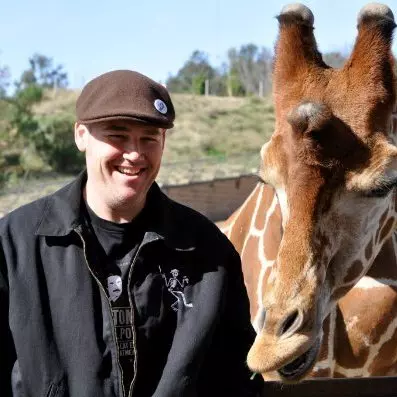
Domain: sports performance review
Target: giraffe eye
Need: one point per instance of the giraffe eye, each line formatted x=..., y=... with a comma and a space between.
x=381, y=191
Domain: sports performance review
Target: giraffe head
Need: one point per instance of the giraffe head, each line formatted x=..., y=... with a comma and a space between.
x=333, y=165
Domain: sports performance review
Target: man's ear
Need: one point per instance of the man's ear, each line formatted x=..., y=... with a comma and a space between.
x=80, y=136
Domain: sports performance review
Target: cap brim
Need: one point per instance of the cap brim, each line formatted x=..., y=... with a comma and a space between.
x=138, y=120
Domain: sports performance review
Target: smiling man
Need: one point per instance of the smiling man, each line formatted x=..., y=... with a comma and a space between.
x=108, y=287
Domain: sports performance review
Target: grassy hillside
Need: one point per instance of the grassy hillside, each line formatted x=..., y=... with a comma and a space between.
x=204, y=126
x=213, y=137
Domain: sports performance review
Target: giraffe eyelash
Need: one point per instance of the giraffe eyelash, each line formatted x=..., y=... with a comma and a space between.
x=382, y=191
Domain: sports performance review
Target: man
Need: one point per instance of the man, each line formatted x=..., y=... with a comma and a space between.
x=108, y=287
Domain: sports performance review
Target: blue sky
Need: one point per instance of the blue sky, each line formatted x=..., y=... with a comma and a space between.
x=154, y=37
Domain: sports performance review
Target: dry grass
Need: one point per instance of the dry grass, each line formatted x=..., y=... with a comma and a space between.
x=57, y=102
x=218, y=126
x=27, y=191
x=204, y=126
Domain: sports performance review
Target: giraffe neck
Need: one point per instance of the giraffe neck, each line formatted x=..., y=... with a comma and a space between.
x=255, y=231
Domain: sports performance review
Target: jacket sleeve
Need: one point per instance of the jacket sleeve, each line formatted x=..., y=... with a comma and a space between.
x=226, y=367
x=7, y=352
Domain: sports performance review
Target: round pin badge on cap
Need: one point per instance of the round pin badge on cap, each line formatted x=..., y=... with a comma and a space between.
x=160, y=106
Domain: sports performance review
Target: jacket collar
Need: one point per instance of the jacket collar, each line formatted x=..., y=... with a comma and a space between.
x=62, y=215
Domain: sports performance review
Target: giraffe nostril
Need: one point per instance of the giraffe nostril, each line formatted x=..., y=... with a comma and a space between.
x=291, y=323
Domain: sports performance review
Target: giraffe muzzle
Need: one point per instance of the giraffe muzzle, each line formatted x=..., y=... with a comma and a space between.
x=297, y=369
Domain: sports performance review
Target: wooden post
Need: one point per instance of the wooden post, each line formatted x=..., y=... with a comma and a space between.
x=54, y=89
x=207, y=87
x=261, y=88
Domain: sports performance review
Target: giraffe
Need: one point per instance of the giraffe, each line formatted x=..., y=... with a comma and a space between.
x=317, y=234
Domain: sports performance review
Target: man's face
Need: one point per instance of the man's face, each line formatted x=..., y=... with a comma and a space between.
x=123, y=159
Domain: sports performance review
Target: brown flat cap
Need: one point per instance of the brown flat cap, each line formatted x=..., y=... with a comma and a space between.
x=125, y=94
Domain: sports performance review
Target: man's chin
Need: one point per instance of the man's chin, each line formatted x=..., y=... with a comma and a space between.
x=128, y=198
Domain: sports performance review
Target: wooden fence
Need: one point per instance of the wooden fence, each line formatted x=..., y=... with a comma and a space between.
x=349, y=387
x=216, y=199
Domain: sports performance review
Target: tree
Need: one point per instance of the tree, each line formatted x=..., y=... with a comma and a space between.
x=4, y=80
x=335, y=59
x=191, y=77
x=23, y=120
x=42, y=73
x=29, y=91
x=250, y=70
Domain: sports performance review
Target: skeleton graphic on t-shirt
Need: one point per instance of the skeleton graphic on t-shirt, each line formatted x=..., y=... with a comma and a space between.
x=175, y=287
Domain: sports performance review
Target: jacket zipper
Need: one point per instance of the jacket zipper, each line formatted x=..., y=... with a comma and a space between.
x=109, y=306
x=132, y=384
x=52, y=390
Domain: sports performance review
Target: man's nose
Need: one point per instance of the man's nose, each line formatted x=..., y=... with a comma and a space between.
x=132, y=155
x=132, y=152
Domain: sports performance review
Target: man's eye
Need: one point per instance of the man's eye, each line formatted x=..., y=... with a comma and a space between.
x=116, y=136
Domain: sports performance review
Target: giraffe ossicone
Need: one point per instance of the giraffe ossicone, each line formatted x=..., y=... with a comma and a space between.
x=317, y=236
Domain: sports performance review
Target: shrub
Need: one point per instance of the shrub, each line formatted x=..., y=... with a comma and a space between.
x=55, y=144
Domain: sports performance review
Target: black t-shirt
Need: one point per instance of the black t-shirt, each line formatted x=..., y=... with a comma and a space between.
x=117, y=245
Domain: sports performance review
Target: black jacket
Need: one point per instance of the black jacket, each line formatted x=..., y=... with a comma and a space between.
x=56, y=330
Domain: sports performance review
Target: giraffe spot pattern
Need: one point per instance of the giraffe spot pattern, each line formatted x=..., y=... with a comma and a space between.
x=381, y=223
x=369, y=250
x=386, y=357
x=355, y=270
x=386, y=229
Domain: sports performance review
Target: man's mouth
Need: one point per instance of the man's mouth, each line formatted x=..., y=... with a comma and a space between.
x=130, y=171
